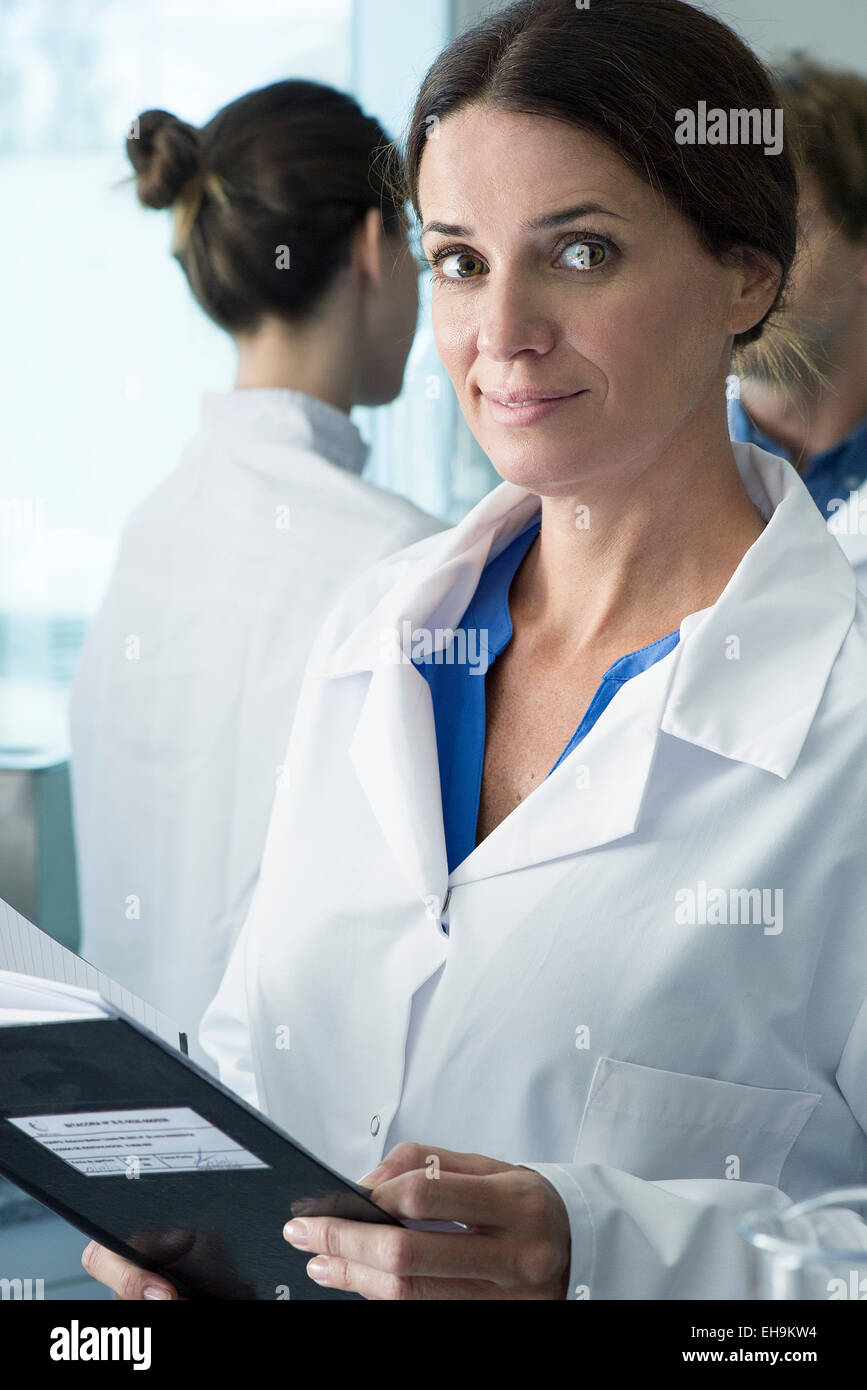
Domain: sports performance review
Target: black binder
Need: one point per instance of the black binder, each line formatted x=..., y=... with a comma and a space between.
x=214, y=1231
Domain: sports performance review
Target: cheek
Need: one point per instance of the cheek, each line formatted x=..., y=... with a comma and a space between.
x=455, y=339
x=647, y=338
x=626, y=337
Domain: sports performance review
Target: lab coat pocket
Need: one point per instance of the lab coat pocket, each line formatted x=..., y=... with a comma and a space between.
x=666, y=1124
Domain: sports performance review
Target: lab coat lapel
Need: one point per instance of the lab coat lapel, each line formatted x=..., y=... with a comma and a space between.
x=595, y=795
x=755, y=665
x=393, y=749
x=790, y=603
x=591, y=799
x=394, y=754
x=745, y=681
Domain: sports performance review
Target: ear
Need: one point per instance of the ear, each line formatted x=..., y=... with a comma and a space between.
x=755, y=287
x=367, y=247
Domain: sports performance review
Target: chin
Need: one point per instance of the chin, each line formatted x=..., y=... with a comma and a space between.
x=531, y=469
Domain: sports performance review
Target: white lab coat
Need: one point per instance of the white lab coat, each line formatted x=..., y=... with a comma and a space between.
x=663, y=1075
x=190, y=675
x=849, y=524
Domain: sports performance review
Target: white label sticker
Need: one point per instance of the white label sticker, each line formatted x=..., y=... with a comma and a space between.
x=131, y=1142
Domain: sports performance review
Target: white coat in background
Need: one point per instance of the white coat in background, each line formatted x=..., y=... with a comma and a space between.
x=848, y=522
x=190, y=677
x=653, y=986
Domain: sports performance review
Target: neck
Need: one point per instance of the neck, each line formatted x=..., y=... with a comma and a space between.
x=807, y=421
x=659, y=544
x=317, y=358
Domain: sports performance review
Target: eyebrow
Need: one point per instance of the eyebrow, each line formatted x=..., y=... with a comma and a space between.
x=537, y=224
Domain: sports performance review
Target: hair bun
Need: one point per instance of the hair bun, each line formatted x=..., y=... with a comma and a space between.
x=166, y=156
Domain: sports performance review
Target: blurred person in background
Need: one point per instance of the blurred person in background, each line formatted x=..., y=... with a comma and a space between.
x=808, y=402
x=186, y=692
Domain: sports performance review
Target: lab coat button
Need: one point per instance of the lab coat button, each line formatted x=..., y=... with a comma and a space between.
x=374, y=1125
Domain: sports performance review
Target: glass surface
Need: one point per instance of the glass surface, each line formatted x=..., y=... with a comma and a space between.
x=105, y=354
x=816, y=1249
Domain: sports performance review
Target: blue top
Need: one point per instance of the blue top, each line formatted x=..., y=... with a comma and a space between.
x=459, y=695
x=832, y=473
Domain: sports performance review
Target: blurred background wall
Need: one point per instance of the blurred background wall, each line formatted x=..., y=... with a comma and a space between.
x=835, y=31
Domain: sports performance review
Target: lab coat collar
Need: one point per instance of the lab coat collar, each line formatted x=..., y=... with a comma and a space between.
x=744, y=681
x=281, y=416
x=753, y=666
x=435, y=589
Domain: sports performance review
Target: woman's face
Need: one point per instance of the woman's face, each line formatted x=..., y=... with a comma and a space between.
x=562, y=274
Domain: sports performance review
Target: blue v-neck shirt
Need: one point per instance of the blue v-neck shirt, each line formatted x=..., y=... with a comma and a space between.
x=457, y=689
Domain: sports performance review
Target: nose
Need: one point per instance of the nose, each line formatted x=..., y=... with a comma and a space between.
x=514, y=320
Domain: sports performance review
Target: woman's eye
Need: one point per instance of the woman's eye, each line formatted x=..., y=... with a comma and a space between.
x=461, y=265
x=584, y=255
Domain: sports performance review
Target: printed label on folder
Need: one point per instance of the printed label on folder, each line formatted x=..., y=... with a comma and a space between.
x=111, y=1143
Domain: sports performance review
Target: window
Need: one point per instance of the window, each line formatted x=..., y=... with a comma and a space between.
x=105, y=353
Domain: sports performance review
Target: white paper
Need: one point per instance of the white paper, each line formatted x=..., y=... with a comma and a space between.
x=14, y=1018
x=109, y=1143
x=33, y=998
x=25, y=950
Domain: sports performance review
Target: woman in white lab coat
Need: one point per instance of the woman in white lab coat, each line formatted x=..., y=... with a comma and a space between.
x=563, y=905
x=225, y=572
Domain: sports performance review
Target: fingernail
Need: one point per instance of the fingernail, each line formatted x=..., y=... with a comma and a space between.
x=296, y=1232
x=318, y=1268
x=156, y=1291
x=376, y=1175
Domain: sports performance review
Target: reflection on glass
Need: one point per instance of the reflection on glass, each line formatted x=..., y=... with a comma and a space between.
x=816, y=1249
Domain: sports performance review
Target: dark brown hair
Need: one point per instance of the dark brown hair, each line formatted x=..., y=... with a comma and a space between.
x=622, y=69
x=294, y=164
x=828, y=107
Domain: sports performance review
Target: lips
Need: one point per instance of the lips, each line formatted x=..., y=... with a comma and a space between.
x=528, y=397
x=528, y=407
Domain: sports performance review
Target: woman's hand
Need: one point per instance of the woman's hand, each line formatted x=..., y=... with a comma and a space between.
x=198, y=1252
x=129, y=1283
x=518, y=1244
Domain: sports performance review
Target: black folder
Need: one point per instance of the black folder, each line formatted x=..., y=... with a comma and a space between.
x=104, y=1123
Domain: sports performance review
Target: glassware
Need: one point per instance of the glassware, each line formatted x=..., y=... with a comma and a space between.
x=815, y=1249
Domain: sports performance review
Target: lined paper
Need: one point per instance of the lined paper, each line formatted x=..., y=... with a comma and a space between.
x=26, y=950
